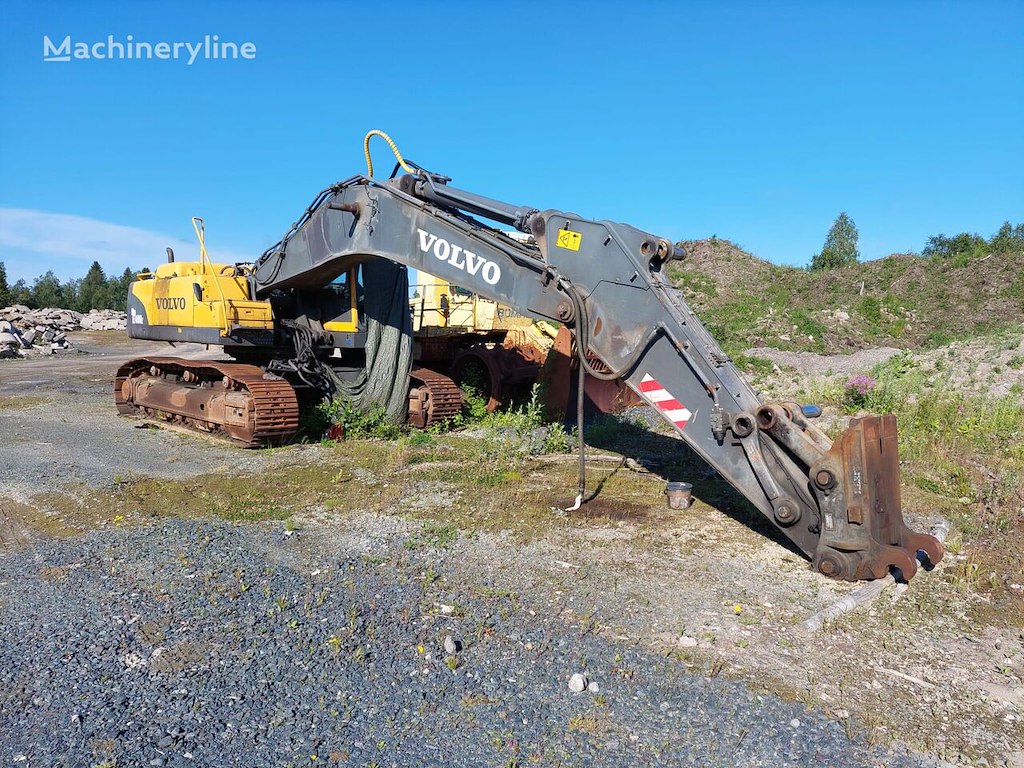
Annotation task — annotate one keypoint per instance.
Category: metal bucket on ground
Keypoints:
(680, 495)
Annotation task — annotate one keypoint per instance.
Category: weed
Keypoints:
(476, 699)
(474, 404)
(431, 575)
(857, 389)
(585, 723)
(11, 402)
(355, 424)
(557, 439)
(438, 535)
(421, 438)
(716, 667)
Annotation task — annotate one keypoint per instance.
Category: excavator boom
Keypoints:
(837, 501)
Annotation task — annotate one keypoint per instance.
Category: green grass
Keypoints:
(315, 420)
(13, 402)
(436, 535)
(963, 451)
(902, 300)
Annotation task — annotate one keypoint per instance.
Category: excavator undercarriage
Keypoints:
(240, 402)
(245, 404)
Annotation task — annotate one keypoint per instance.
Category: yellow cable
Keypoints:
(204, 262)
(200, 227)
(394, 148)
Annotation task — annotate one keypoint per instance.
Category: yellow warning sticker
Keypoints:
(569, 239)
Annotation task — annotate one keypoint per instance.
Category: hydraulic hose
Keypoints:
(394, 148)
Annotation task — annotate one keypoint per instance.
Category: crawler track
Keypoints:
(433, 398)
(231, 400)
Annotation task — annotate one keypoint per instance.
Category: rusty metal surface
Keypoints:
(859, 527)
(506, 369)
(560, 381)
(867, 536)
(231, 400)
(433, 398)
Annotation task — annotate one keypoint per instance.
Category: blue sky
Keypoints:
(755, 121)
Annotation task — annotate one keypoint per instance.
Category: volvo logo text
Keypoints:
(169, 303)
(459, 257)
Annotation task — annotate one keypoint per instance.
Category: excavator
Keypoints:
(326, 309)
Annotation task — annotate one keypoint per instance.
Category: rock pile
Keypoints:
(50, 317)
(25, 331)
(104, 320)
(20, 342)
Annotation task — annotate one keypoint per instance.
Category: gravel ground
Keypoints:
(73, 435)
(139, 644)
(210, 643)
(811, 364)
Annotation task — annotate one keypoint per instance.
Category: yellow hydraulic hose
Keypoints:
(205, 263)
(394, 148)
(200, 227)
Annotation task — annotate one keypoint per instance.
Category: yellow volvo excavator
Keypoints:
(454, 331)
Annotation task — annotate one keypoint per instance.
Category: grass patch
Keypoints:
(750, 364)
(16, 402)
(482, 489)
(435, 535)
(902, 300)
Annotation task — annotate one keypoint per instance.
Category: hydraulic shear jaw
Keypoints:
(863, 535)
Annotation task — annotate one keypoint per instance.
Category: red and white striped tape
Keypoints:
(660, 397)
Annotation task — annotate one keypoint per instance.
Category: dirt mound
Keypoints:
(903, 300)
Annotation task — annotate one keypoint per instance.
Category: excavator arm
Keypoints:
(839, 502)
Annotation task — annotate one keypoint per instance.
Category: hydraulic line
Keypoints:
(394, 148)
(581, 484)
(582, 328)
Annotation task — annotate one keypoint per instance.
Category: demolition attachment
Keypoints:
(855, 482)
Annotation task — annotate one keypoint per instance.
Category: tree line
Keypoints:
(97, 291)
(94, 291)
(840, 248)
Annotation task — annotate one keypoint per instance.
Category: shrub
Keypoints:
(857, 390)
